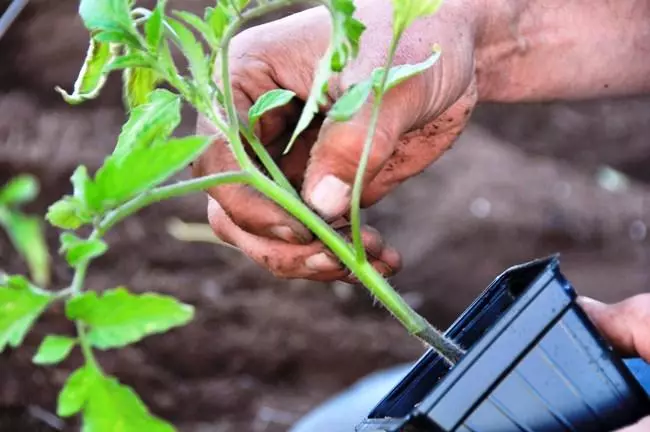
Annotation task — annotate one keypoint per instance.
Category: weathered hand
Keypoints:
(627, 326)
(324, 160)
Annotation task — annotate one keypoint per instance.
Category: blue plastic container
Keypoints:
(534, 362)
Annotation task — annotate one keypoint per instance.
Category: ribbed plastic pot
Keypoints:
(534, 362)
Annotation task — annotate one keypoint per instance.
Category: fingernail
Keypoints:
(322, 262)
(589, 302)
(285, 233)
(330, 196)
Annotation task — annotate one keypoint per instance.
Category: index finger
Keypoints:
(626, 324)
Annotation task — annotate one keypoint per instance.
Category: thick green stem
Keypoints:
(364, 271)
(166, 192)
(76, 287)
(357, 189)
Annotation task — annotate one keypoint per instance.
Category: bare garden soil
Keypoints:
(522, 182)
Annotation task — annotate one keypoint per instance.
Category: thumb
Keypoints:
(626, 325)
(335, 157)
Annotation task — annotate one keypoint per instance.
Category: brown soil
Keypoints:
(261, 351)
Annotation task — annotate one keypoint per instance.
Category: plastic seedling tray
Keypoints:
(534, 362)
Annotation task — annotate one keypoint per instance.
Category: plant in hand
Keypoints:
(139, 42)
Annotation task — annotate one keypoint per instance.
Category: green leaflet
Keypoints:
(139, 82)
(91, 77)
(124, 176)
(218, 19)
(19, 190)
(156, 119)
(194, 53)
(27, 235)
(267, 102)
(351, 101)
(204, 29)
(154, 28)
(20, 306)
(111, 407)
(66, 213)
(119, 318)
(344, 46)
(53, 349)
(399, 74)
(76, 391)
(407, 11)
(78, 251)
(106, 15)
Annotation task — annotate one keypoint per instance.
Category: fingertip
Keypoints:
(329, 197)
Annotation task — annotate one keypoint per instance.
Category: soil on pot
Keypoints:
(261, 352)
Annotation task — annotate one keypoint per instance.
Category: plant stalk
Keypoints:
(363, 270)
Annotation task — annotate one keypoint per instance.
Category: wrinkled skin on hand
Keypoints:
(627, 326)
(323, 162)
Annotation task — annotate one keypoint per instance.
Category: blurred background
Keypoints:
(523, 182)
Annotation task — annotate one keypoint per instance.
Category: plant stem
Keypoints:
(373, 280)
(357, 189)
(76, 287)
(165, 192)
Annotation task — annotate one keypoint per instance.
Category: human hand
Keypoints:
(323, 161)
(627, 326)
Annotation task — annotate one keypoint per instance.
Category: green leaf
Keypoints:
(19, 190)
(113, 407)
(138, 85)
(123, 177)
(118, 38)
(20, 306)
(201, 26)
(91, 78)
(218, 19)
(407, 11)
(76, 391)
(27, 235)
(132, 60)
(67, 213)
(268, 101)
(54, 349)
(149, 122)
(344, 45)
(153, 28)
(351, 101)
(348, 31)
(399, 74)
(108, 15)
(193, 51)
(78, 251)
(119, 318)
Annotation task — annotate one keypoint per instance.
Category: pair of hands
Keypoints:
(323, 161)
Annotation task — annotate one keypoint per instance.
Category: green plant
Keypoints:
(25, 232)
(137, 41)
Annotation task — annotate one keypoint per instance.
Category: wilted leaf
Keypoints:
(92, 77)
(119, 318)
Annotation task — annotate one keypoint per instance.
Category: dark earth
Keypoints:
(523, 182)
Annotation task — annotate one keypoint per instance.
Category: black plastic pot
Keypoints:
(534, 362)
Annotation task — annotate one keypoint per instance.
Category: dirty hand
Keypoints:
(627, 326)
(322, 164)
